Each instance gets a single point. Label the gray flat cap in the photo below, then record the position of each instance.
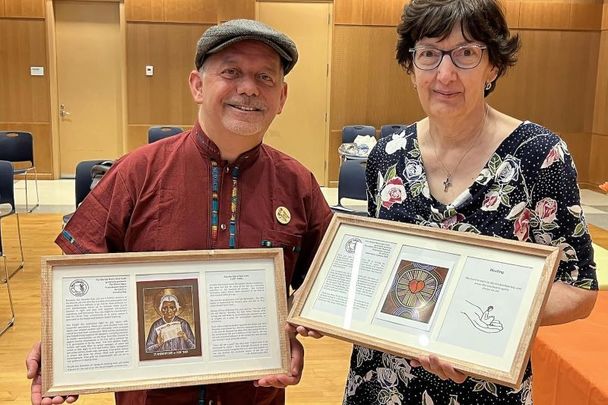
(223, 35)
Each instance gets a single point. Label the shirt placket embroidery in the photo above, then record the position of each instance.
(216, 175)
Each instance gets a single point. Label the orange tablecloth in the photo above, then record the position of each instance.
(570, 361)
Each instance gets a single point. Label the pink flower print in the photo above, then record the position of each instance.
(546, 209)
(554, 155)
(448, 223)
(491, 201)
(393, 193)
(521, 228)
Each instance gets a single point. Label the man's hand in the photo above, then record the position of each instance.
(441, 369)
(32, 363)
(297, 364)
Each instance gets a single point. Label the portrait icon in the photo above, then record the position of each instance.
(168, 317)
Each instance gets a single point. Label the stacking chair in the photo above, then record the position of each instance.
(391, 129)
(7, 208)
(350, 132)
(18, 146)
(83, 182)
(351, 184)
(158, 133)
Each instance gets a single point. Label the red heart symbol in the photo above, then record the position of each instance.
(415, 286)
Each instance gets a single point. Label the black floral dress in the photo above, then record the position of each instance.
(527, 191)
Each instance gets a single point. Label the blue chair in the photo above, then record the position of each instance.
(82, 184)
(391, 129)
(351, 184)
(350, 132)
(7, 208)
(18, 146)
(161, 132)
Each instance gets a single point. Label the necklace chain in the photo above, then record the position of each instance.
(447, 183)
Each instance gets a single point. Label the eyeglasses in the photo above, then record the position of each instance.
(464, 57)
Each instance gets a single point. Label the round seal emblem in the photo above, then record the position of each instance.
(79, 287)
(351, 245)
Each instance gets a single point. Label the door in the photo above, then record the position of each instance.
(89, 82)
(301, 130)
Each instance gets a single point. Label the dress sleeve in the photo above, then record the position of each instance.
(558, 219)
(100, 222)
(371, 178)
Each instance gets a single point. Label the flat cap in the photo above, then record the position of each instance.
(223, 35)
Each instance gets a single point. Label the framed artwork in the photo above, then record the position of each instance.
(129, 321)
(411, 290)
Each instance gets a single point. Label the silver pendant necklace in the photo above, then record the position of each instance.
(447, 183)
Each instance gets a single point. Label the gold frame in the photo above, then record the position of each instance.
(466, 246)
(272, 259)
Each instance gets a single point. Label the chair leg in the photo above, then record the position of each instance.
(11, 320)
(27, 202)
(22, 263)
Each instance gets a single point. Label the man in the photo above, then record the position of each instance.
(213, 187)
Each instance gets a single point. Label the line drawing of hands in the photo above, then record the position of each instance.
(482, 320)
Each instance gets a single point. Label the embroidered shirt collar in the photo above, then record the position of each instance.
(210, 149)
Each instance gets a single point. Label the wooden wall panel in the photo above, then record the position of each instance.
(24, 8)
(585, 15)
(1, 8)
(511, 9)
(598, 164)
(228, 10)
(24, 98)
(348, 12)
(41, 132)
(544, 14)
(548, 88)
(600, 121)
(605, 16)
(165, 97)
(385, 12)
(201, 11)
(144, 10)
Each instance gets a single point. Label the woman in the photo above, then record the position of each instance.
(469, 167)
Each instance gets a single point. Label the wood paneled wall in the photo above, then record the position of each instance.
(560, 81)
(162, 99)
(25, 98)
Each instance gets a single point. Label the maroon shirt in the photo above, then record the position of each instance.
(159, 198)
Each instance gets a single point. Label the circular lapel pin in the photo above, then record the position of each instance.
(283, 215)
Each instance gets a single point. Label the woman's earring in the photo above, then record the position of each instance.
(488, 86)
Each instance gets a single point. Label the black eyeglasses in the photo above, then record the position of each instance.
(463, 57)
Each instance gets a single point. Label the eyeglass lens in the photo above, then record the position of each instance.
(464, 57)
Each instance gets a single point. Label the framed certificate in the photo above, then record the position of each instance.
(410, 291)
(128, 321)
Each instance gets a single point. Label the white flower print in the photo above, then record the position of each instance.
(413, 170)
(508, 170)
(516, 210)
(363, 354)
(427, 399)
(484, 177)
(398, 142)
(386, 377)
(353, 383)
(526, 389)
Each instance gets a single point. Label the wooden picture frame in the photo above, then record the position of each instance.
(411, 290)
(131, 321)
